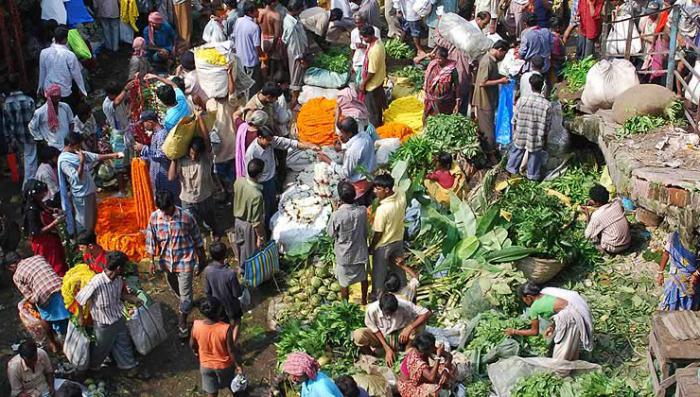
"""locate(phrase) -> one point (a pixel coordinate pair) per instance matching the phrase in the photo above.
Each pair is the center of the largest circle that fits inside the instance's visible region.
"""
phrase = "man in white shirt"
(410, 22)
(58, 65)
(536, 63)
(358, 46)
(53, 120)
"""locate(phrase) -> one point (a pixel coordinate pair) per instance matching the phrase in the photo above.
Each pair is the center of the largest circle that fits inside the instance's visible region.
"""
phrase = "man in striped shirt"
(174, 236)
(607, 227)
(105, 293)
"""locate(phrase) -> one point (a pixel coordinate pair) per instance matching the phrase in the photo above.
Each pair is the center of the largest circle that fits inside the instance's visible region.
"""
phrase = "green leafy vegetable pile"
(635, 125)
(335, 59)
(398, 49)
(453, 133)
(575, 72)
(417, 151)
(414, 74)
(479, 388)
(576, 181)
(539, 384)
(330, 332)
(597, 384)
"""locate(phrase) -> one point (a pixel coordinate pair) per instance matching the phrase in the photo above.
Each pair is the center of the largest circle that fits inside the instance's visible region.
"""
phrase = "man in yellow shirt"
(388, 227)
(373, 75)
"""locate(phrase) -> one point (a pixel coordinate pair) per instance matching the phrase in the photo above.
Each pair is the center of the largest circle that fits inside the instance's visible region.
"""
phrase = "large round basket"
(539, 270)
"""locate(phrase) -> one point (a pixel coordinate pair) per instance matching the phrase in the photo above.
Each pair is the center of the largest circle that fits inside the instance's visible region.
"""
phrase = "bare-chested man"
(270, 22)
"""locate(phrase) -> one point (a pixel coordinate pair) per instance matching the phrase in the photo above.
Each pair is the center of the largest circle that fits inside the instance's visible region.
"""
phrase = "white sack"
(464, 35)
(605, 81)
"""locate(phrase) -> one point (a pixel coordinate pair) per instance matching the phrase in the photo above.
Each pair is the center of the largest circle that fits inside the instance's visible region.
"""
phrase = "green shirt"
(543, 307)
(248, 201)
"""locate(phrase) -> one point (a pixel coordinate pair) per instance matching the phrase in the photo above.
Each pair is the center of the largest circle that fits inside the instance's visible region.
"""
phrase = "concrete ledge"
(641, 172)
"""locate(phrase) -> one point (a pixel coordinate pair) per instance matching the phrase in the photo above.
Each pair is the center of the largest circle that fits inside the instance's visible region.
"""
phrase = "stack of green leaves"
(597, 384)
(576, 181)
(417, 151)
(414, 74)
(539, 384)
(453, 133)
(575, 72)
(480, 388)
(335, 59)
(398, 49)
(489, 333)
(635, 125)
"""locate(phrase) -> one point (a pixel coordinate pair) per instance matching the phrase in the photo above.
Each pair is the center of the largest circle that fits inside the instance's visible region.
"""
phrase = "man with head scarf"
(53, 120)
(160, 39)
(138, 64)
(304, 369)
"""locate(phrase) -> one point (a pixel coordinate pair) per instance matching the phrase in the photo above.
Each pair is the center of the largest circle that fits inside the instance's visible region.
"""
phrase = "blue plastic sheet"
(504, 114)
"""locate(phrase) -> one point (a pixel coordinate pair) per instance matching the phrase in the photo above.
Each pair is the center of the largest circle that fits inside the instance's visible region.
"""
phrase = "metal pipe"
(675, 18)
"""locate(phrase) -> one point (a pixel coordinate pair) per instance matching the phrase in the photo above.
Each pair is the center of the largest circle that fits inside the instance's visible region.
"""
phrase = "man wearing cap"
(40, 285)
(160, 39)
(158, 162)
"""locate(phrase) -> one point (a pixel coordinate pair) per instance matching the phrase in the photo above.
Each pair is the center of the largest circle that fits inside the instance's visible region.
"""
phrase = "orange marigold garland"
(116, 229)
(315, 122)
(143, 194)
(395, 130)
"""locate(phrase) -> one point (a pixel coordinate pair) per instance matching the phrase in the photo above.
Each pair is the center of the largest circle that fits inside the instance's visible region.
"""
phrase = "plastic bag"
(508, 347)
(504, 115)
(464, 35)
(558, 137)
(239, 383)
(605, 81)
(384, 149)
(323, 78)
(617, 38)
(213, 32)
(77, 347)
(177, 142)
(146, 328)
(412, 219)
(693, 92)
(401, 87)
(505, 373)
(211, 74)
(77, 45)
(309, 92)
(36, 327)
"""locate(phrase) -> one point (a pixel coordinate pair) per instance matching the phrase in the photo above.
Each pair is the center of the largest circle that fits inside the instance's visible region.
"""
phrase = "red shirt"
(98, 263)
(443, 177)
(590, 23)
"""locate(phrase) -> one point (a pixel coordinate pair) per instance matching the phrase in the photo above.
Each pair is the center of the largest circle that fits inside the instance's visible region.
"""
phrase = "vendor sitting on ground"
(607, 225)
(305, 370)
(572, 324)
(391, 324)
(446, 178)
(30, 373)
(417, 378)
(358, 159)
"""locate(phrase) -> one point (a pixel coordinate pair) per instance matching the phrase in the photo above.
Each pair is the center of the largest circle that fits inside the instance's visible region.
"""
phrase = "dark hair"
(74, 139)
(388, 303)
(217, 251)
(529, 289)
(280, 78)
(599, 194)
(210, 307)
(86, 238)
(180, 83)
(346, 192)
(27, 349)
(164, 199)
(556, 22)
(392, 283)
(445, 159)
(537, 62)
(442, 52)
(197, 144)
(265, 132)
(483, 15)
(384, 180)
(295, 5)
(113, 88)
(33, 189)
(500, 45)
(83, 109)
(536, 82)
(268, 2)
(48, 153)
(255, 168)
(69, 389)
(249, 7)
(166, 94)
(232, 4)
(348, 125)
(271, 89)
(187, 60)
(60, 34)
(530, 19)
(348, 386)
(116, 260)
(336, 14)
(367, 31)
(424, 342)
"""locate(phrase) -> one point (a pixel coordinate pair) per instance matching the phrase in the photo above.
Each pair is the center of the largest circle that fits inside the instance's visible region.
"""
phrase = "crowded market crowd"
(236, 159)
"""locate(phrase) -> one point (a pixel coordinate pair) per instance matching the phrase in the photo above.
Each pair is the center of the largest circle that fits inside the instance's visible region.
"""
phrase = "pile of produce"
(407, 110)
(395, 130)
(591, 384)
(211, 56)
(636, 125)
(398, 49)
(315, 122)
(575, 72)
(117, 228)
(417, 151)
(328, 337)
(142, 190)
(414, 74)
(575, 183)
(539, 384)
(335, 59)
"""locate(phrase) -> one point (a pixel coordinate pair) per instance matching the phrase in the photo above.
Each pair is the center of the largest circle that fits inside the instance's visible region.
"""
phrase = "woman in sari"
(440, 85)
(681, 289)
(416, 377)
(572, 323)
(41, 224)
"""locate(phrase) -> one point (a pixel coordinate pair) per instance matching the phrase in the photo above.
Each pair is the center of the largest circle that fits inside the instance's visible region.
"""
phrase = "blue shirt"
(174, 114)
(536, 41)
(322, 386)
(164, 37)
(247, 38)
